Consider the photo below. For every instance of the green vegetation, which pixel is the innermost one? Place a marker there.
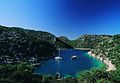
(86, 40)
(94, 76)
(23, 43)
(21, 73)
(111, 49)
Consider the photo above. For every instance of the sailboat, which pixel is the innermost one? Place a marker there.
(58, 57)
(74, 57)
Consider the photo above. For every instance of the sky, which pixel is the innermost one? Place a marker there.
(70, 18)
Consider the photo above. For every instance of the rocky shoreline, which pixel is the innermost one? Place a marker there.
(104, 59)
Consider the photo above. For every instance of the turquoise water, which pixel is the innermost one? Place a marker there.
(68, 66)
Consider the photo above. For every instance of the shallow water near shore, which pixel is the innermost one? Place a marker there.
(68, 66)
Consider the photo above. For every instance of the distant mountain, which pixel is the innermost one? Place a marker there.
(85, 41)
(63, 38)
(15, 41)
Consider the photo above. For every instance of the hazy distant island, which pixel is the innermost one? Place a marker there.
(20, 46)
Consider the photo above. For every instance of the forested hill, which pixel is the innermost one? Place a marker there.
(86, 40)
(26, 43)
(64, 39)
(109, 48)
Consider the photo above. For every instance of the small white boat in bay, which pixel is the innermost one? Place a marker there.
(36, 64)
(58, 58)
(74, 57)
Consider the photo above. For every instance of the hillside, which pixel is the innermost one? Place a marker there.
(24, 43)
(109, 48)
(86, 40)
(64, 39)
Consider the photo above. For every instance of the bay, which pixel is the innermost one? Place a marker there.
(68, 66)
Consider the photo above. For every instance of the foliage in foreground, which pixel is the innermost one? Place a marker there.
(23, 73)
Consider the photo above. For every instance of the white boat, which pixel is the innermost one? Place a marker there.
(36, 64)
(32, 59)
(58, 57)
(74, 57)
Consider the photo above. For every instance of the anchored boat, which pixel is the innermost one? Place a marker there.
(74, 57)
(58, 58)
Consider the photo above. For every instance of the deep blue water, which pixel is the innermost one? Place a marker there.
(68, 66)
